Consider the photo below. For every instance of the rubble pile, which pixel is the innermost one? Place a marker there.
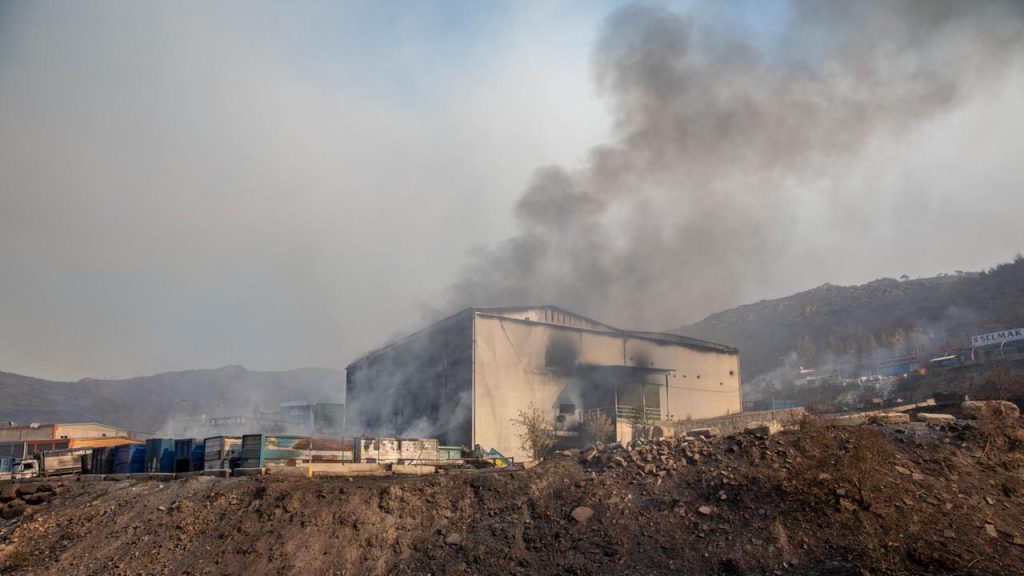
(929, 496)
(643, 459)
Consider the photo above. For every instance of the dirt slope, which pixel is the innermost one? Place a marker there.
(821, 500)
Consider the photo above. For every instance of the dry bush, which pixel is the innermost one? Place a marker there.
(999, 434)
(867, 455)
(535, 435)
(597, 427)
(858, 456)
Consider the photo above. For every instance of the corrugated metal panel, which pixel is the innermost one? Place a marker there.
(160, 455)
(219, 450)
(183, 454)
(103, 460)
(198, 454)
(129, 458)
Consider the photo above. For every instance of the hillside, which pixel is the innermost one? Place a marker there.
(886, 315)
(145, 403)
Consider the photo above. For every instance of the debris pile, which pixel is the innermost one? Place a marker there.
(909, 498)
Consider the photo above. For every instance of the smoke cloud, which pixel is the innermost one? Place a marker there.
(723, 142)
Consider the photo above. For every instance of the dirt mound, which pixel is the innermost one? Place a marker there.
(821, 500)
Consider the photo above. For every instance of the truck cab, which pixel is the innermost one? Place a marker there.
(26, 469)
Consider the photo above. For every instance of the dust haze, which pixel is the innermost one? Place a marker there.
(196, 186)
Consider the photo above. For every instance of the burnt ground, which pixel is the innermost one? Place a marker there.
(819, 500)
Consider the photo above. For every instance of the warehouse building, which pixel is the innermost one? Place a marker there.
(464, 378)
(24, 441)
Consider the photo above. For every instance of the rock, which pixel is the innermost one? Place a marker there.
(917, 476)
(904, 471)
(8, 492)
(38, 498)
(453, 540)
(705, 510)
(527, 464)
(846, 505)
(850, 420)
(588, 454)
(12, 509)
(769, 428)
(1017, 541)
(582, 513)
(936, 418)
(977, 408)
(890, 418)
(26, 489)
(990, 529)
(704, 433)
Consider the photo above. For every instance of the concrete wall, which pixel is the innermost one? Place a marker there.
(738, 422)
(87, 430)
(21, 433)
(518, 363)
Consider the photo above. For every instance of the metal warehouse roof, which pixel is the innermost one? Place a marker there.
(556, 316)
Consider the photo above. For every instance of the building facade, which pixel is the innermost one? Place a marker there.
(465, 378)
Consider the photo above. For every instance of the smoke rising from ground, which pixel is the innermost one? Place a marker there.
(719, 141)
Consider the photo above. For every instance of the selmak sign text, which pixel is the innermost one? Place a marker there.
(997, 337)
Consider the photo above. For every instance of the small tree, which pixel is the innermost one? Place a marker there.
(535, 435)
(597, 427)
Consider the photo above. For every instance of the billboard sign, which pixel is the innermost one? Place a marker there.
(997, 337)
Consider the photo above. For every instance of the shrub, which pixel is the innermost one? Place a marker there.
(535, 435)
(597, 427)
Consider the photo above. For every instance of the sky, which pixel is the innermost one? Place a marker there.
(280, 185)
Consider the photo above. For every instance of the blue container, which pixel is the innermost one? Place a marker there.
(129, 458)
(183, 454)
(160, 455)
(198, 453)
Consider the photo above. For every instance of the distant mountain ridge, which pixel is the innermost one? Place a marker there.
(889, 314)
(145, 403)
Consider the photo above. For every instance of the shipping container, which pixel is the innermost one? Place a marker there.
(198, 455)
(450, 454)
(376, 450)
(183, 448)
(219, 451)
(418, 451)
(6, 465)
(265, 450)
(331, 450)
(102, 460)
(160, 455)
(129, 458)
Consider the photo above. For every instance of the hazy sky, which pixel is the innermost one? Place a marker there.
(290, 184)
